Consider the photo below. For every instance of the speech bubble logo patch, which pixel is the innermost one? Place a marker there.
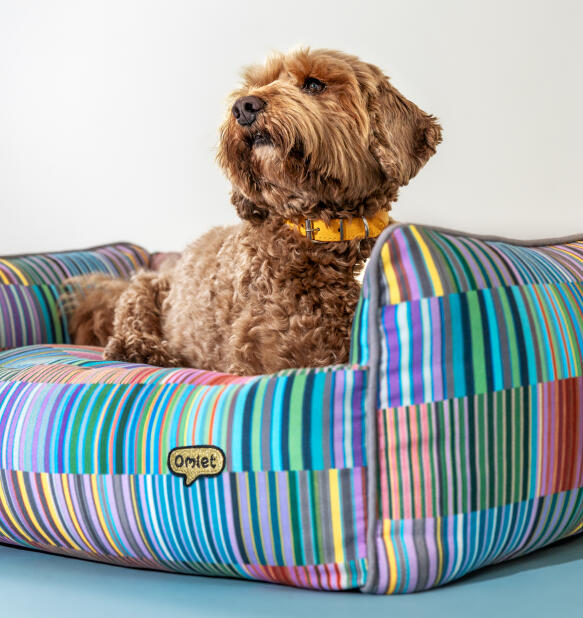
(194, 461)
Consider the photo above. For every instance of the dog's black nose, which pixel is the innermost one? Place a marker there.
(245, 109)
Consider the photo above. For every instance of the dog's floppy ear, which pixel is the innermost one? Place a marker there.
(246, 209)
(403, 136)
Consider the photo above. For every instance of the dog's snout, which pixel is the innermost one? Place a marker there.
(246, 109)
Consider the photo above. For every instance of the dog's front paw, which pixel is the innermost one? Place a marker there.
(146, 351)
(113, 350)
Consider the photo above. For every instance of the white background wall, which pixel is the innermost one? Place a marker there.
(109, 110)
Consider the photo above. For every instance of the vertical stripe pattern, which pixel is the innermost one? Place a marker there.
(83, 467)
(478, 421)
(30, 287)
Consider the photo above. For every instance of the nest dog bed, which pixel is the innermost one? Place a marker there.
(452, 440)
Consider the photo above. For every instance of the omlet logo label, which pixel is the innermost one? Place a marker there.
(194, 461)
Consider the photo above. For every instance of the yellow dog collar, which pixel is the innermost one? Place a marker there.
(342, 229)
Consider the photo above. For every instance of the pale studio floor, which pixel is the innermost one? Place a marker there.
(547, 583)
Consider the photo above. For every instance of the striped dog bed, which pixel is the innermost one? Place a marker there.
(30, 286)
(452, 440)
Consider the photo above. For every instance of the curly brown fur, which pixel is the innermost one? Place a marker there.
(90, 305)
(137, 325)
(258, 297)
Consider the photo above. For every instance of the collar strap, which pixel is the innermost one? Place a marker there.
(342, 229)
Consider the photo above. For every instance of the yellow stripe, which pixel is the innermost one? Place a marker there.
(565, 325)
(14, 270)
(28, 507)
(72, 514)
(99, 512)
(571, 254)
(13, 521)
(132, 258)
(336, 514)
(390, 275)
(44, 480)
(579, 528)
(390, 556)
(439, 574)
(437, 287)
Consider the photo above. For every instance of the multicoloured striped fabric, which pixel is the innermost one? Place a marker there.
(31, 285)
(83, 467)
(475, 348)
(453, 440)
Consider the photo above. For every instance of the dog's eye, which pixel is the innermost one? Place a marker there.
(313, 85)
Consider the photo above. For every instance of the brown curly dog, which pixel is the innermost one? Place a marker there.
(316, 146)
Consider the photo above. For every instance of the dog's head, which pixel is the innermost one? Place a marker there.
(318, 133)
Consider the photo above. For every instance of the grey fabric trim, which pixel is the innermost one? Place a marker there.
(372, 275)
(540, 242)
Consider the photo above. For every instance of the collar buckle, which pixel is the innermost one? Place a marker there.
(366, 228)
(310, 229)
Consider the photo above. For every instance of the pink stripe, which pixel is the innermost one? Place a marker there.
(424, 446)
(403, 455)
(414, 441)
(384, 478)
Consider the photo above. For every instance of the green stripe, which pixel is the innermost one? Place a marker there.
(296, 459)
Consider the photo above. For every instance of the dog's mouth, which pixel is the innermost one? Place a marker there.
(258, 139)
